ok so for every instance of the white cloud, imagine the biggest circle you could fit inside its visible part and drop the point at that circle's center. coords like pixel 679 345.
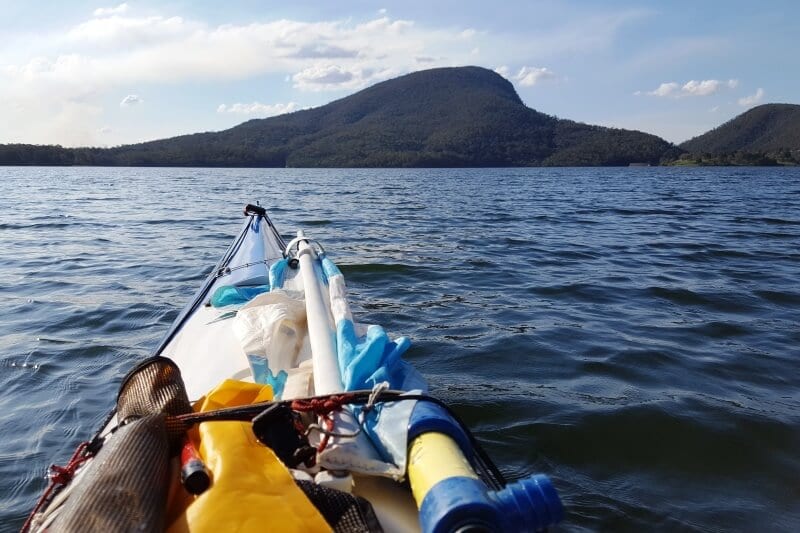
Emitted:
pixel 386 24
pixel 665 89
pixel 258 109
pixel 527 76
pixel 64 76
pixel 314 78
pixel 125 49
pixel 131 100
pixel 324 51
pixel 714 109
pixel 122 48
pixel 690 88
pixel 530 76
pixel 753 99
pixel 504 71
pixel 108 11
pixel 700 88
pixel 122 33
pixel 331 77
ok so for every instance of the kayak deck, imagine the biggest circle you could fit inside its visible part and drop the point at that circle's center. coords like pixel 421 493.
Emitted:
pixel 293 405
pixel 207 351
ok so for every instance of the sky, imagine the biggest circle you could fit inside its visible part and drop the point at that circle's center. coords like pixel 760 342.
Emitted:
pixel 84 73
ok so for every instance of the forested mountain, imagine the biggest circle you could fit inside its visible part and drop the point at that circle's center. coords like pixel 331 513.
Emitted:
pixel 770 131
pixel 457 117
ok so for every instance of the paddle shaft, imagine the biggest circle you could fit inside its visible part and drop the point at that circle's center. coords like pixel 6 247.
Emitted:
pixel 327 379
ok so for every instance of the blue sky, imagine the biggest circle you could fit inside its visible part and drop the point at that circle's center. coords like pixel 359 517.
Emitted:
pixel 91 73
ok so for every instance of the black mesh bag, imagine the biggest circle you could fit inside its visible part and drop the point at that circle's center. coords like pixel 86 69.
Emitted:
pixel 344 512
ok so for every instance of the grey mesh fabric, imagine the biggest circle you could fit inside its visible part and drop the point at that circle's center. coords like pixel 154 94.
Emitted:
pixel 155 386
pixel 124 488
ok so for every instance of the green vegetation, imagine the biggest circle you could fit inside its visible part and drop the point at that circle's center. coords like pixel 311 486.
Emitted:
pixel 781 158
pixel 29 154
pixel 765 135
pixel 450 117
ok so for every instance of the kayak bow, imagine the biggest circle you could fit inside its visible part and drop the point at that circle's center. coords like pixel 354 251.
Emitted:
pixel 287 412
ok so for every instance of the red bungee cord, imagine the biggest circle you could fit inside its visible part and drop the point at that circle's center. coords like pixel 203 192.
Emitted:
pixel 59 477
pixel 323 407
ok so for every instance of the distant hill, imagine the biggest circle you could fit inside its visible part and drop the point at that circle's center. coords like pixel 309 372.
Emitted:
pixel 456 117
pixel 766 129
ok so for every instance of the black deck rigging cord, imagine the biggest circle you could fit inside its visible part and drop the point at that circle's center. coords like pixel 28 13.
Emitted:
pixel 487 470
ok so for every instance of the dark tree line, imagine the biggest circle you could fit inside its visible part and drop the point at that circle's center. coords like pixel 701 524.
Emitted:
pixel 453 117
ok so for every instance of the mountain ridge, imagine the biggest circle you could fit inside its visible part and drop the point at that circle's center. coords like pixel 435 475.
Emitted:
pixel 455 116
pixel 764 128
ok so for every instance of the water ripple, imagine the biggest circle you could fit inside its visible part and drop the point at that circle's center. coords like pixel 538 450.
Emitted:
pixel 631 332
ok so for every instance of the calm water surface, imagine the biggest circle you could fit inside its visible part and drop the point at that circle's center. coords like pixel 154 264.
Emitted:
pixel 631 332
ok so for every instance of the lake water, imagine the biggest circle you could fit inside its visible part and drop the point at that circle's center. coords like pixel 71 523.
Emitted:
pixel 633 333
